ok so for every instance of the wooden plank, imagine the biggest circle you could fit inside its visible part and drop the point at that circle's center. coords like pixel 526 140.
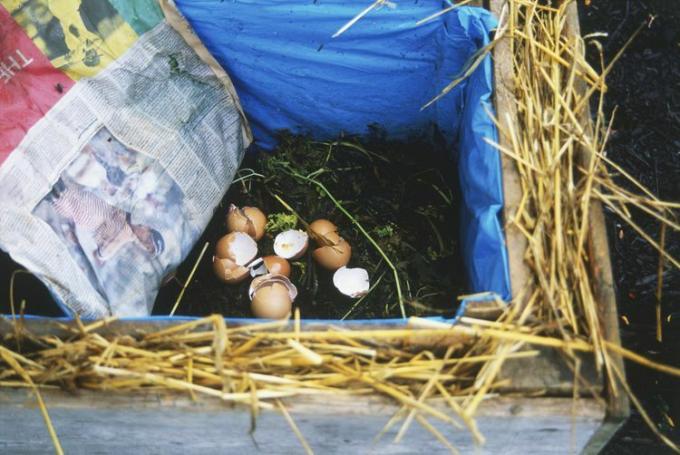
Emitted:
pixel 506 110
pixel 50 327
pixel 549 373
pixel 598 252
pixel 99 424
pixel 602 436
pixel 598 246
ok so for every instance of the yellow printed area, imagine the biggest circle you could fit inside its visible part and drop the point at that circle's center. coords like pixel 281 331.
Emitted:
pixel 80 42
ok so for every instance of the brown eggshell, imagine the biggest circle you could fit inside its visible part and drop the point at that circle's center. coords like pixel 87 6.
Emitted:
pixel 250 220
pixel 237 221
pixel 258 221
pixel 333 257
pixel 322 227
pixel 272 301
pixel 277 265
pixel 228 271
pixel 222 249
pixel 237 246
pixel 330 238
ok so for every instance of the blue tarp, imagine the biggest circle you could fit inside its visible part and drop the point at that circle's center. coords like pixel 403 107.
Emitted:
pixel 291 74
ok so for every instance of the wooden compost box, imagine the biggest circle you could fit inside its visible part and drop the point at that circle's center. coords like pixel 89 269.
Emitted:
pixel 515 422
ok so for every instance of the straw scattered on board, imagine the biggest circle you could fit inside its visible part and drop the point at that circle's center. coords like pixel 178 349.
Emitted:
pixel 563 173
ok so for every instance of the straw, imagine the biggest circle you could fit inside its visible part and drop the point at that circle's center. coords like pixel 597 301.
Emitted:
pixel 294 427
pixel 188 280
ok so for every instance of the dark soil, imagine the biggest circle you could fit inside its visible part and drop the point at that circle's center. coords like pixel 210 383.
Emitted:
pixel 400 192
pixel 644 86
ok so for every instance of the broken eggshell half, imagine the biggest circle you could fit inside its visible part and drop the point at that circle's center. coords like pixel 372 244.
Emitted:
pixel 250 220
pixel 272 296
pixel 352 282
pixel 233 254
pixel 291 244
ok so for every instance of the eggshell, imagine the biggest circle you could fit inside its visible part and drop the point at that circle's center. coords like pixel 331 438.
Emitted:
pixel 332 257
pixel 250 220
pixel 291 244
pixel 228 271
pixel 322 227
pixel 237 246
pixel 277 265
pixel 271 302
pixel 352 282
pixel 272 296
pixel 268 279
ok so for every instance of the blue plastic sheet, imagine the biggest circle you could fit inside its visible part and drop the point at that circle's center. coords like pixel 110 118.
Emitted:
pixel 291 74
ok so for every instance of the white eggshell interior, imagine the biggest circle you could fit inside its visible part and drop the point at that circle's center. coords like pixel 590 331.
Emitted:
pixel 243 248
pixel 352 282
pixel 289 244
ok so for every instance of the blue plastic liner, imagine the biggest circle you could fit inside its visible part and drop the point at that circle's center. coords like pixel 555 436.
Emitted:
pixel 292 75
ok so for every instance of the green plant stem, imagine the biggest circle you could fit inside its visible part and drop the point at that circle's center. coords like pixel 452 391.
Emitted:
pixel 363 231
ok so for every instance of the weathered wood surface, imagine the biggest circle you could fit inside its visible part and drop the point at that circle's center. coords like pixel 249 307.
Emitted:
pixel 506 111
pixel 602 278
pixel 598 246
pixel 550 374
pixel 92 424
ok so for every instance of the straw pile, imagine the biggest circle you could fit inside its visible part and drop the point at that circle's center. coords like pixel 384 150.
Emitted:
pixel 563 174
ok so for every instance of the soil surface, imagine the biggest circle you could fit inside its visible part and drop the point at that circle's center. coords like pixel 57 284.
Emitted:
pixel 401 193
pixel 644 88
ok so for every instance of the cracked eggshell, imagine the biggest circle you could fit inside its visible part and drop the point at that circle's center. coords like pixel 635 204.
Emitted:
pixel 238 247
pixel 229 271
pixel 250 220
pixel 322 229
pixel 352 282
pixel 272 296
pixel 332 257
pixel 291 244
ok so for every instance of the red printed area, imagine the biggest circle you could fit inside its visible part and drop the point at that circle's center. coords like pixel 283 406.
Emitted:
pixel 29 84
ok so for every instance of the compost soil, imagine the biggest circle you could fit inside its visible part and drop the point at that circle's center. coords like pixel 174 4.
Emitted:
pixel 644 88
pixel 403 194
